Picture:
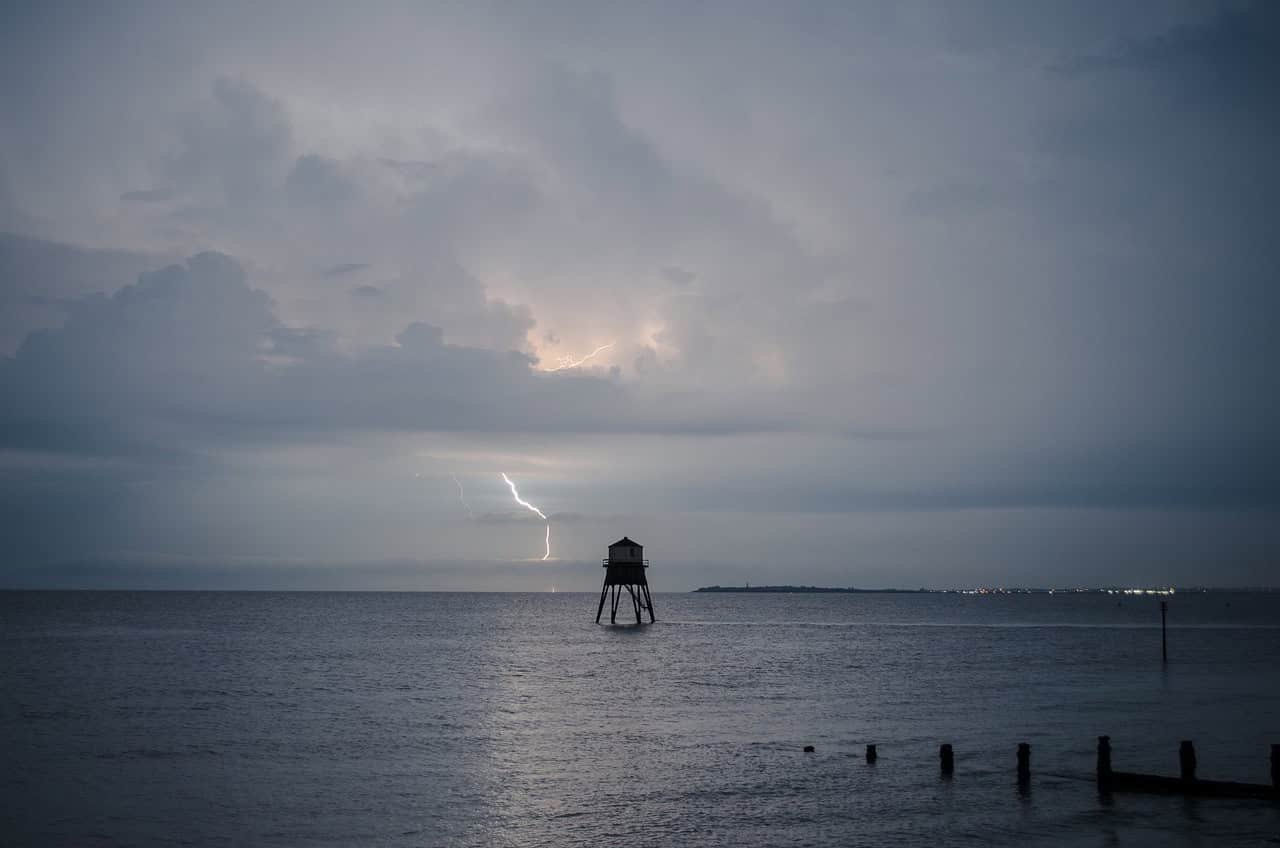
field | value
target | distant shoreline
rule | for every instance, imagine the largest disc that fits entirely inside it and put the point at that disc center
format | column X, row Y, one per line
column 1111, row 590
column 811, row 590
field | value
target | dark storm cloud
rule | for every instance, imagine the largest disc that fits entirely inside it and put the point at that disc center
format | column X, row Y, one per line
column 882, row 261
column 139, row 571
column 1232, row 57
column 1193, row 100
column 1172, row 165
column 1159, row 474
column 40, row 280
column 193, row 354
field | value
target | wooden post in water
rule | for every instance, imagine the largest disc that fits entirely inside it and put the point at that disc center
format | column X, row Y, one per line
column 1024, row 763
column 871, row 755
column 1164, row 639
column 1187, row 760
column 948, row 760
column 1104, row 762
column 1186, row 783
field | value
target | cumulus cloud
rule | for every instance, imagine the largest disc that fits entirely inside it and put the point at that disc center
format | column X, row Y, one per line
column 193, row 352
column 40, row 280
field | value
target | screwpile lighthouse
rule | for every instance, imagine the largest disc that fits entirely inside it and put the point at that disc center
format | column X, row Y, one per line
column 624, row 569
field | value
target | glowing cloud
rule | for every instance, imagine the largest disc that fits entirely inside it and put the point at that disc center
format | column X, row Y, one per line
column 531, row 508
column 566, row 362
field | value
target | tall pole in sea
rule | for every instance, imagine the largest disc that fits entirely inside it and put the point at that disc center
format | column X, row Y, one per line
column 1164, row 638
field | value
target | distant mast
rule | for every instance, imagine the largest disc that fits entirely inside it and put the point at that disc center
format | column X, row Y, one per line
column 625, row 570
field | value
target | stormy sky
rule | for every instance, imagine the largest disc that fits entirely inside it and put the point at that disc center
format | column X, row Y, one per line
column 903, row 294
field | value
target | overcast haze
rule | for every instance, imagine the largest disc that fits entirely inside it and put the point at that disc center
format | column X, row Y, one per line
column 908, row 294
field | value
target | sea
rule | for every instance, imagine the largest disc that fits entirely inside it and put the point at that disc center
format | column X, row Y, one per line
column 408, row 719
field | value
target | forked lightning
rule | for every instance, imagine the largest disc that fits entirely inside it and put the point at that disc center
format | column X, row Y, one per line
column 531, row 508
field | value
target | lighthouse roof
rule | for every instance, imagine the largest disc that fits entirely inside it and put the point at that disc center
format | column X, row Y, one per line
column 624, row 542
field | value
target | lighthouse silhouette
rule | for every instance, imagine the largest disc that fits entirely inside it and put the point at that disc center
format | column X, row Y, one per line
column 624, row 569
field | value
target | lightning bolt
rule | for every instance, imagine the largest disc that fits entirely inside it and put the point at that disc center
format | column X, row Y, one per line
column 462, row 496
column 531, row 508
column 522, row 503
column 566, row 362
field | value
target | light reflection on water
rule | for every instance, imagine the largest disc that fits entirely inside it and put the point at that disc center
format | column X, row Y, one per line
column 426, row 719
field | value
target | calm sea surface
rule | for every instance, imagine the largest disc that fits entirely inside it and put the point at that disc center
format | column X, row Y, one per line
column 491, row 719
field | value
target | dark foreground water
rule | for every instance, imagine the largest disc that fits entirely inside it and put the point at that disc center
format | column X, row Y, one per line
column 457, row 719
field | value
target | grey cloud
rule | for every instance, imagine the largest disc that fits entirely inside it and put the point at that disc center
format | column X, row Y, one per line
column 150, row 195
column 951, row 199
column 1014, row 260
column 344, row 268
column 410, row 170
column 179, row 339
column 616, row 172
column 234, row 149
column 192, row 353
column 241, row 178
column 520, row 517
column 464, row 197
column 317, row 181
column 446, row 293
column 678, row 276
column 574, row 120
column 142, row 570
column 1233, row 54
column 39, row 281
column 302, row 343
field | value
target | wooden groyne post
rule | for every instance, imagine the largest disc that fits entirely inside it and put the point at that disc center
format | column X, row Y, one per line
column 1110, row 780
column 1187, row 760
column 1186, row 783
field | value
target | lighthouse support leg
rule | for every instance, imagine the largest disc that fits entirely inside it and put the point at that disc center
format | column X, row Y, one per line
column 604, row 590
column 648, row 600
